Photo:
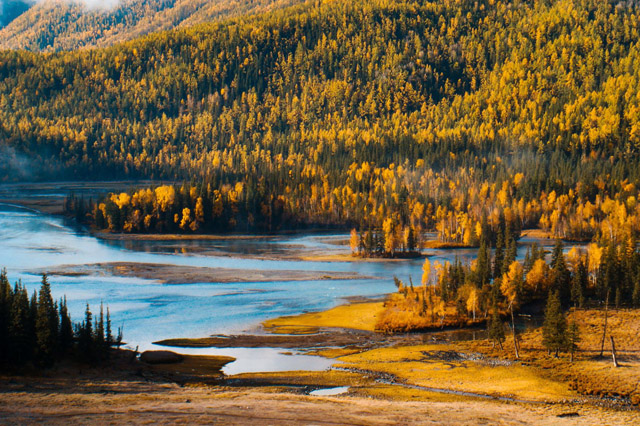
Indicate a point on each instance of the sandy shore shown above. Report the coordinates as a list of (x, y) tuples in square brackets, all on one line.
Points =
[(176, 274)]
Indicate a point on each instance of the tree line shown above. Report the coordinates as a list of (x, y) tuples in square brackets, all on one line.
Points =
[(38, 331)]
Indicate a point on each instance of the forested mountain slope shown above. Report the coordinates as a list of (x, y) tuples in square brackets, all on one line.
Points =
[(354, 110), (72, 24)]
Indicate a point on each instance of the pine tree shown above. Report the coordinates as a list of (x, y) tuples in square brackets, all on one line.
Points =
[(554, 329), (573, 338), (495, 327), (528, 263), (85, 337), (98, 338), (483, 265), (560, 273), (109, 335), (119, 337), (46, 325), (66, 328), (21, 348), (5, 319), (579, 285), (510, 254), (498, 258)]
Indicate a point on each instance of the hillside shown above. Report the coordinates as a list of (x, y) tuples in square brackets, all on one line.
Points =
[(66, 25), (356, 112)]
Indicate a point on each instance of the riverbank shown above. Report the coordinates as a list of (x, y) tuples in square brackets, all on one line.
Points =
[(132, 393), (590, 373), (407, 379), (436, 362)]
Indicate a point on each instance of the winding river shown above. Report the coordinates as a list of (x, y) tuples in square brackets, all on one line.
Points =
[(150, 311)]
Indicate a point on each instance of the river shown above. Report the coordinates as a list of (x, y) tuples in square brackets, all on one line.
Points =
[(150, 311)]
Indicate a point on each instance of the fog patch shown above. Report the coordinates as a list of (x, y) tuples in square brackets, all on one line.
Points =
[(13, 164)]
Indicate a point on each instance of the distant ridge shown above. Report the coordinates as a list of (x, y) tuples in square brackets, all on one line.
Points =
[(11, 9), (54, 25)]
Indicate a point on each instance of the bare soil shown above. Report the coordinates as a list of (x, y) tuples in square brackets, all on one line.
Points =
[(175, 274)]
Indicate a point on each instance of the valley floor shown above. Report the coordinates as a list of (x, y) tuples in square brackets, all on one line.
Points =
[(140, 402), (392, 380)]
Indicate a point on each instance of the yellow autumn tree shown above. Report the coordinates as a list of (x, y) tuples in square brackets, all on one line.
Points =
[(473, 302), (426, 272), (354, 241), (510, 288), (538, 277)]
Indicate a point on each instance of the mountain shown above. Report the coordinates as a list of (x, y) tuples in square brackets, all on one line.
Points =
[(476, 91), (53, 25)]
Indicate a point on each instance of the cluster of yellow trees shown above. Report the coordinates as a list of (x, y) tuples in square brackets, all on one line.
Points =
[(54, 26), (356, 112), (391, 207), (169, 208), (457, 294)]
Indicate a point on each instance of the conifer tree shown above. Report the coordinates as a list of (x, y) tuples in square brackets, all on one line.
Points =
[(66, 328), (85, 337), (498, 258), (579, 285), (20, 349), (483, 265), (495, 327), (510, 253), (554, 329), (573, 338), (46, 325), (109, 341), (5, 309), (98, 338)]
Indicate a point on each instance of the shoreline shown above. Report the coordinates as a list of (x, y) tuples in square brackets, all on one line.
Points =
[(431, 360), (398, 378)]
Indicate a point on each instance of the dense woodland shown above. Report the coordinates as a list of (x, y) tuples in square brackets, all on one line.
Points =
[(53, 25), (496, 286), (430, 115), (38, 331)]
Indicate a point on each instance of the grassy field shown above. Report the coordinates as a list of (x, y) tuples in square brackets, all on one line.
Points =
[(589, 374), (453, 383), (358, 316), (477, 367)]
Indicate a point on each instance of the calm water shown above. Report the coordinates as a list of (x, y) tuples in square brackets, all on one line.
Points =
[(149, 311)]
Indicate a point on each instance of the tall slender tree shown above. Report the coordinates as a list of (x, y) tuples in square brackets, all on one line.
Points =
[(554, 329)]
